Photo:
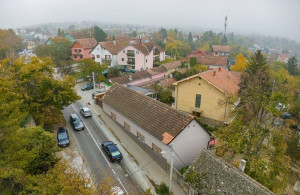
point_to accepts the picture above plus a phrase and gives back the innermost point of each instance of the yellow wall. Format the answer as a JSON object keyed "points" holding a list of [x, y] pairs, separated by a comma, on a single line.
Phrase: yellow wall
{"points": [[185, 98]]}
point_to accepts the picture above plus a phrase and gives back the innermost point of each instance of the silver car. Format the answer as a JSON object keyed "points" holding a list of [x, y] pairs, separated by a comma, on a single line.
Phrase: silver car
{"points": [[86, 112], [76, 122]]}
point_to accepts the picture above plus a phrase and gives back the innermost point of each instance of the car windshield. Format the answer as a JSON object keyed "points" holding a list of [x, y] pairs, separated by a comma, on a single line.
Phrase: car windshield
{"points": [[78, 123], [63, 136], [87, 111], [115, 153]]}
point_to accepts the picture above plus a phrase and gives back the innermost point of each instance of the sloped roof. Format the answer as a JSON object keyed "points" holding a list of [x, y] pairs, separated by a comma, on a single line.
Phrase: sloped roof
{"points": [[87, 43], [142, 48], [167, 82], [151, 45], [153, 116], [210, 174], [157, 70], [114, 46], [182, 70], [135, 76], [212, 60], [172, 65], [221, 48], [220, 78]]}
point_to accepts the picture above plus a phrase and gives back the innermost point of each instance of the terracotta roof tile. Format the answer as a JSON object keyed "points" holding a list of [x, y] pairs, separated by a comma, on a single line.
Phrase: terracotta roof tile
{"points": [[150, 115], [157, 70], [212, 60], [221, 48], [87, 43], [172, 65], [142, 48], [121, 80], [223, 80], [167, 82], [182, 70], [114, 46], [81, 34]]}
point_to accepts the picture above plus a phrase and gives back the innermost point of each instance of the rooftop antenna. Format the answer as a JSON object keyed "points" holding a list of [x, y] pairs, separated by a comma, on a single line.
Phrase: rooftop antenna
{"points": [[225, 25]]}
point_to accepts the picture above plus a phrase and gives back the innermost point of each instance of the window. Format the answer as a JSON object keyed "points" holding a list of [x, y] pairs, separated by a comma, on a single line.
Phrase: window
{"points": [[75, 50], [122, 59], [81, 57], [126, 126], [98, 56], [146, 60], [198, 101], [75, 56], [79, 50], [156, 149], [140, 136], [137, 52], [123, 51]]}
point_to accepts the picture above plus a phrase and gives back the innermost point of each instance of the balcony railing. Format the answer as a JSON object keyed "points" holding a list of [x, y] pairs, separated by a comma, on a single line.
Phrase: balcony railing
{"points": [[106, 59], [130, 54], [130, 63]]}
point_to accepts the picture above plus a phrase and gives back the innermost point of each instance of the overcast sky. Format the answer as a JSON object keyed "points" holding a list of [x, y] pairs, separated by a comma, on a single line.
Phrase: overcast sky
{"points": [[268, 17]]}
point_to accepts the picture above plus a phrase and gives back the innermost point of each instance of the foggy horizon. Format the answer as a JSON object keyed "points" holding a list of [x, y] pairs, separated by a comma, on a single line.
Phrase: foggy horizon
{"points": [[266, 17]]}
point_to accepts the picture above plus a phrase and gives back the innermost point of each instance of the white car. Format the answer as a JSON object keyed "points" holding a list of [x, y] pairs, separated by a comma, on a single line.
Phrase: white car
{"points": [[117, 191], [86, 112]]}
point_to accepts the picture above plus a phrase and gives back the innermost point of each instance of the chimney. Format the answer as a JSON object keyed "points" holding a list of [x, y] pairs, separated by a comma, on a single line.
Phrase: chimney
{"points": [[214, 73], [229, 75], [242, 165], [114, 42], [140, 38], [130, 77]]}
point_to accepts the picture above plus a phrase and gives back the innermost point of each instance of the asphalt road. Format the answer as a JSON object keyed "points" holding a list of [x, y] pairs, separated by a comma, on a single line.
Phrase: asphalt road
{"points": [[88, 142]]}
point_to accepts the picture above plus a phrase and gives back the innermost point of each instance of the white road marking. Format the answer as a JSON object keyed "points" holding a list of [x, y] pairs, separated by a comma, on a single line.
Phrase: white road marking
{"points": [[101, 152]]}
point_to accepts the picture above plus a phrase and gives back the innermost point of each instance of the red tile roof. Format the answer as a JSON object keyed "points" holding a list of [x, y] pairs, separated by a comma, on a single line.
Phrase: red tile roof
{"points": [[87, 43], [212, 60], [167, 82], [146, 48], [158, 119], [114, 46], [182, 70], [133, 77], [221, 48], [172, 65], [222, 79], [81, 34], [157, 70]]}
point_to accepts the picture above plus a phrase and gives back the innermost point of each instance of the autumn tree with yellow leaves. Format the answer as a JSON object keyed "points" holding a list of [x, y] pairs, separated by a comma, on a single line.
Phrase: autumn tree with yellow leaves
{"points": [[240, 63]]}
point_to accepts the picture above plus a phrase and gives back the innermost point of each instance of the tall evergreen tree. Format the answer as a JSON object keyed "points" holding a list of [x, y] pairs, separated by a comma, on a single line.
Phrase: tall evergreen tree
{"points": [[190, 39], [99, 34], [291, 66]]}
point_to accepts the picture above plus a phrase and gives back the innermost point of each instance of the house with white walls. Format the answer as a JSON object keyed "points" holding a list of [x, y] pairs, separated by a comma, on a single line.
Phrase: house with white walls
{"points": [[156, 125], [107, 52]]}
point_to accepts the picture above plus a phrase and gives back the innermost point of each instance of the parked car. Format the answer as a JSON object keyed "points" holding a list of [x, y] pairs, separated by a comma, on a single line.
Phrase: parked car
{"points": [[76, 122], [117, 191], [97, 93], [286, 115], [87, 86], [86, 112], [63, 137], [112, 151]]}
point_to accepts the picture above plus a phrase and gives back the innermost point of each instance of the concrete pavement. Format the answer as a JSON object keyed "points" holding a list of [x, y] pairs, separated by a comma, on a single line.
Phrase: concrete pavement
{"points": [[138, 163]]}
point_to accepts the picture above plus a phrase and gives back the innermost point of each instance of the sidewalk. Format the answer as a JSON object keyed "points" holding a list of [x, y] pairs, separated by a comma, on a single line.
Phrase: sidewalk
{"points": [[153, 170]]}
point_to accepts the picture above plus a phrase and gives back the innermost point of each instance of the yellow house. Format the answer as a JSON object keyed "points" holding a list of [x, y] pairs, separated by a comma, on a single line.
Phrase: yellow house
{"points": [[206, 95]]}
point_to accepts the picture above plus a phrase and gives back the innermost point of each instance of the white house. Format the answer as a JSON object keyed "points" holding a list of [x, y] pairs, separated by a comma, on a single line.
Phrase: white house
{"points": [[107, 52], [156, 125]]}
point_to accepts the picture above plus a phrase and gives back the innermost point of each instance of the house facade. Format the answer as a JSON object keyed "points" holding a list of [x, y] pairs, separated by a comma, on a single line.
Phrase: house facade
{"points": [[221, 50], [140, 56], [82, 47], [156, 125], [107, 52], [205, 95]]}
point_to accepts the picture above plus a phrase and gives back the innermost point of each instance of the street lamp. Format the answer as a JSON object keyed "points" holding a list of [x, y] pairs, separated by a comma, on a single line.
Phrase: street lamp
{"points": [[172, 159]]}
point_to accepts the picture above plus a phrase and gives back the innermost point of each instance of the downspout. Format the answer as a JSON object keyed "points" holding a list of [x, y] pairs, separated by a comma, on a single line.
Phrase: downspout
{"points": [[176, 95], [225, 109]]}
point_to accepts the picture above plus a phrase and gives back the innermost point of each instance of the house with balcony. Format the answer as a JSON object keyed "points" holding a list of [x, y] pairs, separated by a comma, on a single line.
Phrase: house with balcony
{"points": [[221, 50], [140, 56], [155, 125], [207, 94], [82, 47], [108, 52]]}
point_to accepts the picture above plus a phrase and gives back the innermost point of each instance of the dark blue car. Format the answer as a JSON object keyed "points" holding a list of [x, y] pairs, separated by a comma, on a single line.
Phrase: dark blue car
{"points": [[63, 137], [112, 151]]}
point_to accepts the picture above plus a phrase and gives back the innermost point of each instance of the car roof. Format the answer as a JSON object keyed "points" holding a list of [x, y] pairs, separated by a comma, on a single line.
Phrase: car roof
{"points": [[85, 109], [112, 147], [74, 116]]}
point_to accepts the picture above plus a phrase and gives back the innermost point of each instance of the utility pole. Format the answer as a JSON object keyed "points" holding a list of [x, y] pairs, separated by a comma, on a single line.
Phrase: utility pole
{"points": [[94, 80]]}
